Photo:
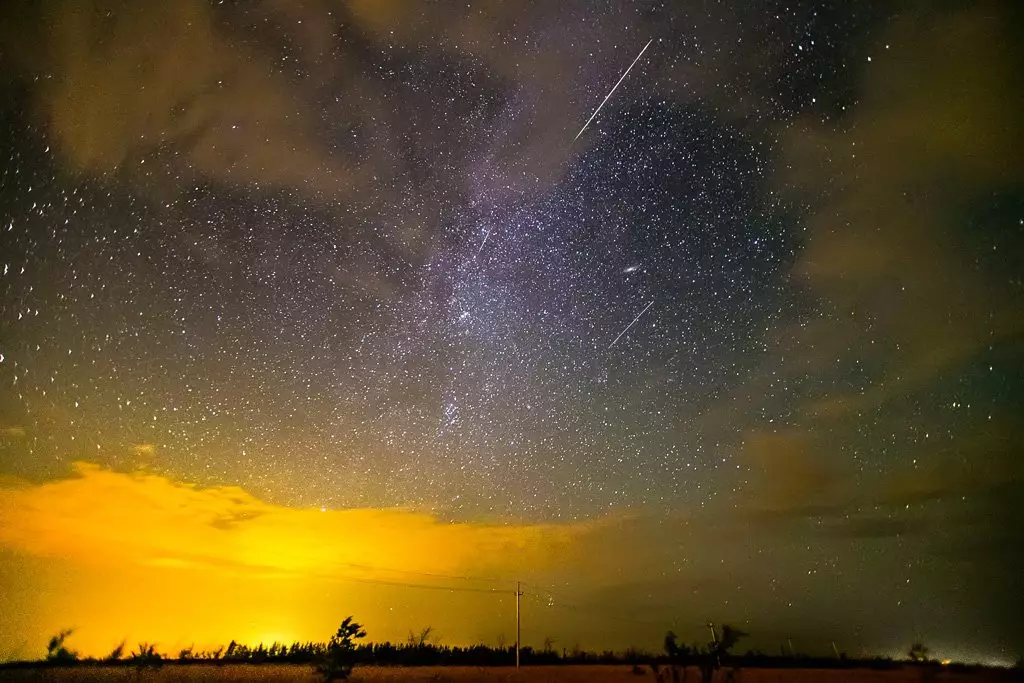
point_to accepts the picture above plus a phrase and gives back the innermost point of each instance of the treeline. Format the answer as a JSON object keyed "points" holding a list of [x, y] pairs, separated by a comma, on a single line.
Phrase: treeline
{"points": [[430, 654], [422, 650], [392, 654], [310, 652]]}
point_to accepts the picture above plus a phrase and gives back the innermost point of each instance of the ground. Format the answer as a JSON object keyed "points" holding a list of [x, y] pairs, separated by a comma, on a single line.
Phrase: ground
{"points": [[537, 674]]}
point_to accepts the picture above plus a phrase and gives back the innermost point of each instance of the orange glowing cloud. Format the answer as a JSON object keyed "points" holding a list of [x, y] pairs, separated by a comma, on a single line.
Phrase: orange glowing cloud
{"points": [[139, 555], [101, 516]]}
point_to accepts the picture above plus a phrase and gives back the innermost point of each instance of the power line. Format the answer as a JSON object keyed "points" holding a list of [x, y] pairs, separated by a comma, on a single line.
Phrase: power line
{"points": [[545, 598], [426, 586], [550, 601], [455, 577]]}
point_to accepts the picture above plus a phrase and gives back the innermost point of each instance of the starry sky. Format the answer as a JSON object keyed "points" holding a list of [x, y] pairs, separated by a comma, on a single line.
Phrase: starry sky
{"points": [[323, 300]]}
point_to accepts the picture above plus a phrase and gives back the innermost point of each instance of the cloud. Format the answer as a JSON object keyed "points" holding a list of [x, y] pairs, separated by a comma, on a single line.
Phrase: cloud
{"points": [[167, 85], [933, 133], [790, 476], [979, 464], [140, 555], [280, 96], [110, 517], [875, 527], [327, 97], [793, 476]]}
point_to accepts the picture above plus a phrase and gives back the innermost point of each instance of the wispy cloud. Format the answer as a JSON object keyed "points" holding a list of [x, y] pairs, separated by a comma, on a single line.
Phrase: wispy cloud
{"points": [[932, 133], [13, 432], [104, 516]]}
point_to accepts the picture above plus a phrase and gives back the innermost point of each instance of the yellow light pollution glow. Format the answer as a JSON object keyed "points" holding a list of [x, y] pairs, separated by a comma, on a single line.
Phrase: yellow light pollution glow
{"points": [[137, 556]]}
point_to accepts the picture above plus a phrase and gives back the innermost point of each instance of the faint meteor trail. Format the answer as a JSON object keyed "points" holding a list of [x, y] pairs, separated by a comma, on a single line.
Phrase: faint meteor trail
{"points": [[488, 234], [612, 91], [632, 323]]}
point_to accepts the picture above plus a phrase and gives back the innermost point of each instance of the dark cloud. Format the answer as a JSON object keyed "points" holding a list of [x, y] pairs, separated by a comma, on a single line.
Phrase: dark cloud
{"points": [[933, 131], [322, 97], [170, 86], [876, 527], [12, 433], [791, 476], [974, 463]]}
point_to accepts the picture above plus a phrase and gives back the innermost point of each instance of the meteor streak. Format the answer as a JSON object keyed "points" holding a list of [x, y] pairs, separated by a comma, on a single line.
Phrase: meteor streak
{"points": [[488, 234], [612, 91], [631, 324]]}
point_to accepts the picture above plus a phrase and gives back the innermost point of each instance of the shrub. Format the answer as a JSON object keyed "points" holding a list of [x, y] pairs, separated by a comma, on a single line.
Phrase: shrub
{"points": [[57, 653], [118, 652], [339, 657], [147, 656], [918, 653]]}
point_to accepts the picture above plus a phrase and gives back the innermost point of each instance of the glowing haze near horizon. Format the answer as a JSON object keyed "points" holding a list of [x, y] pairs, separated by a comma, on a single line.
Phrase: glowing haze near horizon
{"points": [[315, 309]]}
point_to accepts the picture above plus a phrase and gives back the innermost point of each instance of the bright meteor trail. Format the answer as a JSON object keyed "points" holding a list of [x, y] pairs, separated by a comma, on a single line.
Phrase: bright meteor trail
{"points": [[612, 91], [483, 243], [634, 319]]}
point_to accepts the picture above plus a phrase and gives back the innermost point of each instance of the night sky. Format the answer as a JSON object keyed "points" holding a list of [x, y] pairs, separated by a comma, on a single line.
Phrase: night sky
{"points": [[323, 300]]}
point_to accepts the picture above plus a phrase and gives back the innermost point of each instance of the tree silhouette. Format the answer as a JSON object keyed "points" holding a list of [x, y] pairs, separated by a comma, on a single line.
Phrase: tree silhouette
{"points": [[146, 655], [677, 656], [730, 637], [712, 656], [918, 653], [340, 656], [671, 647], [57, 653], [118, 652], [422, 638]]}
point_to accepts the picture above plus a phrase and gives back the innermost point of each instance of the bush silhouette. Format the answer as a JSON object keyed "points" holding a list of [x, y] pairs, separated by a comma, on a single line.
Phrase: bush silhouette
{"points": [[918, 653], [147, 656], [57, 653], [116, 654], [340, 656], [671, 646], [730, 637], [421, 639]]}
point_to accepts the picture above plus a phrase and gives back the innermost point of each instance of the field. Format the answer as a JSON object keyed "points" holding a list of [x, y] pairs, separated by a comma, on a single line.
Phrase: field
{"points": [[284, 673]]}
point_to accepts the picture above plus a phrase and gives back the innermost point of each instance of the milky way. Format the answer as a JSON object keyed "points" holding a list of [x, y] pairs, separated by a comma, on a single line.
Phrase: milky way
{"points": [[404, 359]]}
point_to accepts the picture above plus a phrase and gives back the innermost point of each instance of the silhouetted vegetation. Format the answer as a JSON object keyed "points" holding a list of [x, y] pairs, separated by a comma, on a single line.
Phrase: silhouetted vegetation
{"points": [[340, 655], [336, 658], [422, 638], [57, 652], [708, 658], [146, 656], [918, 653], [117, 653]]}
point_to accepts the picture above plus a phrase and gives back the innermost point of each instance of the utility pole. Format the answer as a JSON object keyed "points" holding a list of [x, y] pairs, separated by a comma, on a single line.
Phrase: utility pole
{"points": [[714, 643], [519, 632]]}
